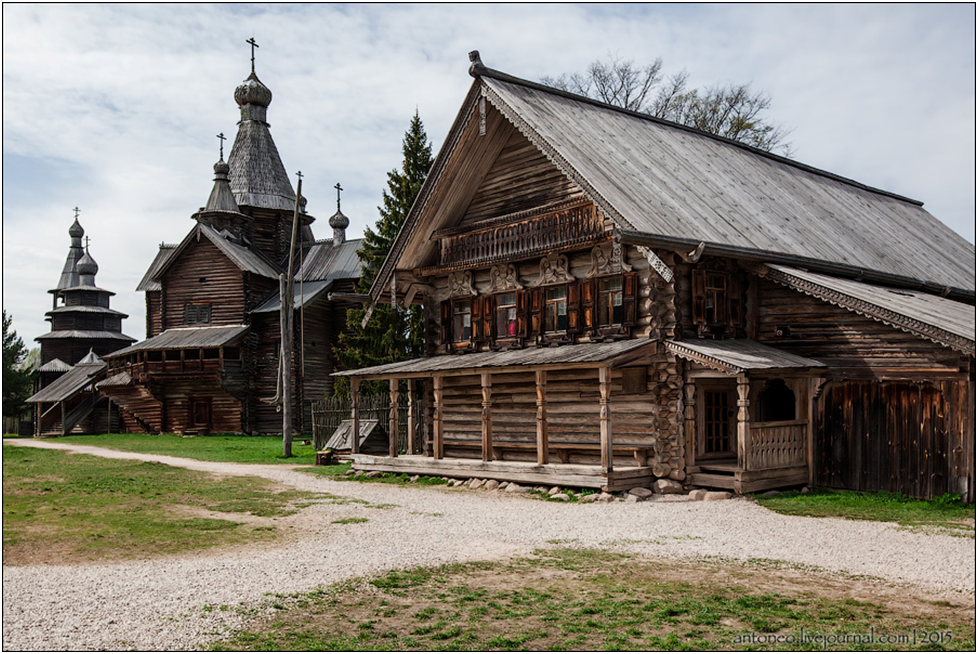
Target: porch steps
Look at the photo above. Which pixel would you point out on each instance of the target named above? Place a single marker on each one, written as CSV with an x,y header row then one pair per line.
x,y
750,481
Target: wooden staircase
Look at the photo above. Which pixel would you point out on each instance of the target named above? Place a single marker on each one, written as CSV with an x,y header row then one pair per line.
x,y
138,405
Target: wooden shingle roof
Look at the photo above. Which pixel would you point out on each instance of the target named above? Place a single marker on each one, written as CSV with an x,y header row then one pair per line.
x,y
735,356
187,337
70,383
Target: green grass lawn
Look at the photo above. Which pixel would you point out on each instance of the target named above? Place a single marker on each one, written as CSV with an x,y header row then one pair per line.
x,y
946,513
569,599
219,447
60,507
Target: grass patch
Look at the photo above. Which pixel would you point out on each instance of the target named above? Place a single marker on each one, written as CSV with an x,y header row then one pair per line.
x,y
350,521
947,513
220,447
568,599
60,507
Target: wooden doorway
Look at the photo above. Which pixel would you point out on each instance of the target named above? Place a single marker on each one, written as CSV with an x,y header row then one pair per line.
x,y
716,419
200,414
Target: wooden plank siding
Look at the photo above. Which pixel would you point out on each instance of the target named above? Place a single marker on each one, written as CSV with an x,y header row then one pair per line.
x,y
911,438
154,313
176,396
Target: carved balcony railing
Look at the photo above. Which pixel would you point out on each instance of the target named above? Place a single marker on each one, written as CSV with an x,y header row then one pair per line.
x,y
522,238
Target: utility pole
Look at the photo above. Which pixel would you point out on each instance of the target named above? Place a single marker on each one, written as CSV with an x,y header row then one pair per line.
x,y
286,289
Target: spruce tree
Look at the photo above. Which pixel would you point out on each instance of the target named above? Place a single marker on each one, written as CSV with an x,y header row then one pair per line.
x,y
17,380
391,334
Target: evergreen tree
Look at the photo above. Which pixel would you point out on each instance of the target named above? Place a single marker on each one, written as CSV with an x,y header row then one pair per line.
x,y
392,334
16,379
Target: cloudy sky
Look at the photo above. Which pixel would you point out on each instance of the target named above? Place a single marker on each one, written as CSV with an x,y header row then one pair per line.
x,y
114,108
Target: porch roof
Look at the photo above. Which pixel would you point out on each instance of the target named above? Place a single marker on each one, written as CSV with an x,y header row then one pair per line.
x,y
187,337
584,355
69,383
739,355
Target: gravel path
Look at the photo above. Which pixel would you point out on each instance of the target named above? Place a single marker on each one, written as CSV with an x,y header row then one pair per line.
x,y
158,604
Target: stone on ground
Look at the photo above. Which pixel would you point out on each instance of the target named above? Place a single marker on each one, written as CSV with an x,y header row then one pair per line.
x,y
475,483
414,478
554,490
516,488
640,493
697,493
713,496
667,487
492,484
587,499
563,497
373,474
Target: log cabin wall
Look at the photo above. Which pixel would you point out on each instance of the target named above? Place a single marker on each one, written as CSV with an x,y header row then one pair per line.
x,y
572,414
177,395
154,313
203,275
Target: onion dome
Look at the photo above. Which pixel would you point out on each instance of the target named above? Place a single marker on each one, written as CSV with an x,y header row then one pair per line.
x,y
221,198
86,266
339,221
252,91
76,230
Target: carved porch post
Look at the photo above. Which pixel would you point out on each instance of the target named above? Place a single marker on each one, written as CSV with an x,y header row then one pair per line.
x,y
543,445
604,385
355,402
394,422
411,410
743,423
689,413
439,421
486,416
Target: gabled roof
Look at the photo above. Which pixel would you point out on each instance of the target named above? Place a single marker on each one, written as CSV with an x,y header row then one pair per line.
x,y
54,365
150,281
660,180
240,255
324,261
944,321
69,383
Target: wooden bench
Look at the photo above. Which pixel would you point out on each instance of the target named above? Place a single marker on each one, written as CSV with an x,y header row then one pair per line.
x,y
562,450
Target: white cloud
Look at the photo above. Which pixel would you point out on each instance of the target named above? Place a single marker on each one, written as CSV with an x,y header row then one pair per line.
x,y
115,108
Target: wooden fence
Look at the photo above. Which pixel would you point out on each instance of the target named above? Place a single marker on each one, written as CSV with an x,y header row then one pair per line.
x,y
329,412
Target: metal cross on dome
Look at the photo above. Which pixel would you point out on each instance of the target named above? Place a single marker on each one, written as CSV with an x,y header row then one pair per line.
x,y
77,211
223,138
338,189
254,45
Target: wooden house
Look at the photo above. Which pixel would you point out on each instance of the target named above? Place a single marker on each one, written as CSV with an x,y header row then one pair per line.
x,y
83,328
613,299
210,362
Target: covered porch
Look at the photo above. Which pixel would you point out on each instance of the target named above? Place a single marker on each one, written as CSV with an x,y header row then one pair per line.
x,y
748,414
536,416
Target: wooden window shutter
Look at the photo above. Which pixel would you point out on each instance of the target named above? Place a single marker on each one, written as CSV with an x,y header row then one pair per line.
x,y
589,289
476,305
446,321
629,299
574,308
522,314
489,318
699,297
536,311
735,302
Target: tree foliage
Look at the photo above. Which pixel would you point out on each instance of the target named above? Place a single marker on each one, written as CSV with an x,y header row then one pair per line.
x,y
734,111
391,334
17,379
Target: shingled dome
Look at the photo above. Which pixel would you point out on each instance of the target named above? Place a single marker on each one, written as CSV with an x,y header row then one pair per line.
x,y
339,221
87,265
76,230
252,91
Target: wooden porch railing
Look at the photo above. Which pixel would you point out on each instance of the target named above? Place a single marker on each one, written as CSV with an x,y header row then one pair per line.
x,y
777,445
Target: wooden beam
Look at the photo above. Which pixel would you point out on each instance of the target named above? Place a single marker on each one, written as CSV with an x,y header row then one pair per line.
x,y
355,403
411,410
604,386
543,445
394,420
689,413
439,421
743,424
487,416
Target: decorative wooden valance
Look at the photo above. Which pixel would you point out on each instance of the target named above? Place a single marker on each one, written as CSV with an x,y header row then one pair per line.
x,y
460,284
504,277
554,269
608,259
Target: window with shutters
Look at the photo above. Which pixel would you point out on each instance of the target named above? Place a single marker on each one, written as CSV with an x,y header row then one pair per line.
x,y
555,309
715,298
610,307
461,321
506,323
717,302
196,314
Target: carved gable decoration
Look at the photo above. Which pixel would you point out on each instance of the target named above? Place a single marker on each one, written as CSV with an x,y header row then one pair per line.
x,y
554,269
460,284
504,277
608,260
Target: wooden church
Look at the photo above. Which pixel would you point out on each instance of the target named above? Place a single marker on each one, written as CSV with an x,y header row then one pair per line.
x,y
83,328
210,362
614,299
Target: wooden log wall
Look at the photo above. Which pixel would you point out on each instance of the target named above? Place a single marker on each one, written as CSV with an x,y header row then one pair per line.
x,y
851,345
222,286
73,350
917,439
572,413
154,313
520,178
177,395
